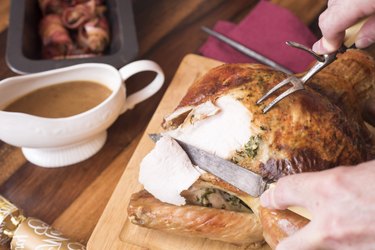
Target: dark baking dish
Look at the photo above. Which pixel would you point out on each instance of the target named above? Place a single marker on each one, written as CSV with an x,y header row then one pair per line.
x,y
23,51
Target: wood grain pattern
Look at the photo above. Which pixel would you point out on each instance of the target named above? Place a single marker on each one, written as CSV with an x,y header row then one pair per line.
x,y
299,8
4,14
73,198
88,207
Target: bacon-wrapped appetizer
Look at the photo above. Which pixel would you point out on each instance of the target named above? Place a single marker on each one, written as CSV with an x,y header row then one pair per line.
x,y
73,28
94,35
55,38
75,16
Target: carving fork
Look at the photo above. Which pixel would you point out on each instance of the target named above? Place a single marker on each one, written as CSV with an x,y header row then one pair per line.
x,y
322,62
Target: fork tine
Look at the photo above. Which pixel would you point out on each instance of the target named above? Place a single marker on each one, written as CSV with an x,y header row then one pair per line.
x,y
298,83
275,88
282,96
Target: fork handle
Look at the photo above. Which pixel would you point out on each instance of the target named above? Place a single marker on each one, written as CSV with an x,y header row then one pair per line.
x,y
352,32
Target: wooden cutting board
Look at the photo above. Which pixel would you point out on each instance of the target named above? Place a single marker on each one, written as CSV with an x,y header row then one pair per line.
x,y
114,231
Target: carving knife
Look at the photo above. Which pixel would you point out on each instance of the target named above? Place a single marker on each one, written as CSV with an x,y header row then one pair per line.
x,y
245,50
241,178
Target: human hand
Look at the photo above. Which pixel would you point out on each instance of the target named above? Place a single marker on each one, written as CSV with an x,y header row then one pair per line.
x,y
340,15
342,202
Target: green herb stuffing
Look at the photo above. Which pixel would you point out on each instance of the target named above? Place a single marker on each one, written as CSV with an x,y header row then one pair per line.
x,y
204,199
228,202
232,200
252,146
250,149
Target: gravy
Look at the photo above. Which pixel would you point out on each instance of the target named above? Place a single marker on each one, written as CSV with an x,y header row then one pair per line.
x,y
61,100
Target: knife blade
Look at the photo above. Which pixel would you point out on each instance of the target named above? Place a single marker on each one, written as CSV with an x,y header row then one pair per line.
x,y
245,50
241,178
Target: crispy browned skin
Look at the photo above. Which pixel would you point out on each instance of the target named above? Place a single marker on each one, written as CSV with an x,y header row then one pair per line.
x,y
314,129
195,221
356,73
278,225
357,69
305,132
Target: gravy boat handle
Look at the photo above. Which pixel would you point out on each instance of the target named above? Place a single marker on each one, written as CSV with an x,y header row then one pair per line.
x,y
141,95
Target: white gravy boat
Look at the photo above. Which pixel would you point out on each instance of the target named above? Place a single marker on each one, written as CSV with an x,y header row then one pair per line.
x,y
56,142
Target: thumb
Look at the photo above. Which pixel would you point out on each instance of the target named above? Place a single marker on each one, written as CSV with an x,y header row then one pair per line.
x,y
289,191
366,35
306,238
324,46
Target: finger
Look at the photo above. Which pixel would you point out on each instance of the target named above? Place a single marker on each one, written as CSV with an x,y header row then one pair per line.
x,y
366,35
305,238
336,19
369,112
323,46
290,191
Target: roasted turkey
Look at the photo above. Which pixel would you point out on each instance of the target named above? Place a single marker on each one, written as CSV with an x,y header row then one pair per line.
x,y
318,128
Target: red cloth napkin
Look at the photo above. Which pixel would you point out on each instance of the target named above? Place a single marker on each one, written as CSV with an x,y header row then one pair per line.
x,y
265,30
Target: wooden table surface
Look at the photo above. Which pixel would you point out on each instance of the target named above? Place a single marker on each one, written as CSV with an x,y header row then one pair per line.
x,y
73,198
